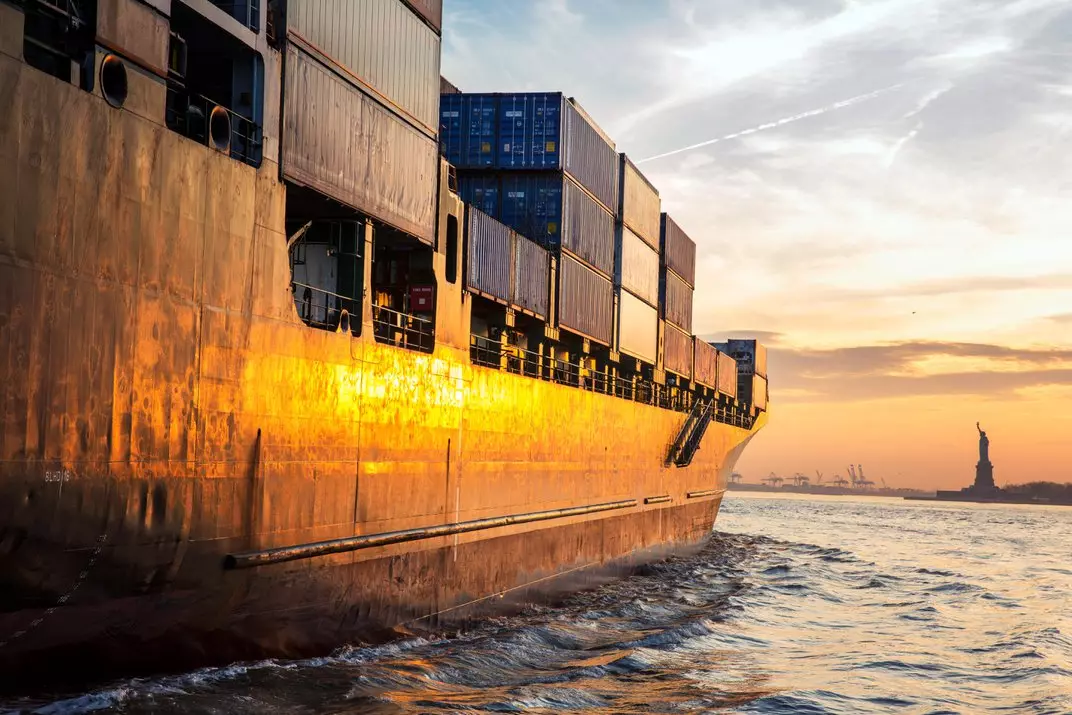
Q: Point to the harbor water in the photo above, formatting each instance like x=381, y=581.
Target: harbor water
x=799, y=604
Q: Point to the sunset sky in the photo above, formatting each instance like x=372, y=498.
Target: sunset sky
x=888, y=204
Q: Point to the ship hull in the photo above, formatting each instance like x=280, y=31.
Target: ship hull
x=165, y=410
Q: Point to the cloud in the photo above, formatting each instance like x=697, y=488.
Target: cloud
x=916, y=369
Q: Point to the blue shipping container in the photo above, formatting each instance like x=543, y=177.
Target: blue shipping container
x=467, y=129
x=529, y=131
x=550, y=208
x=481, y=191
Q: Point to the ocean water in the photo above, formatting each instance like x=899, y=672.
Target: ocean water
x=798, y=605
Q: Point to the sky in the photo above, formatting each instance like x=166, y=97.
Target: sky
x=881, y=190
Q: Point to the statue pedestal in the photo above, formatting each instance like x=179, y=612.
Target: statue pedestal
x=984, y=476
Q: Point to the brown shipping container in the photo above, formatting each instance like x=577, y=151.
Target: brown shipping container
x=704, y=363
x=340, y=142
x=430, y=10
x=532, y=276
x=382, y=44
x=677, y=351
x=490, y=256
x=637, y=266
x=638, y=328
x=753, y=391
x=585, y=301
x=678, y=250
x=677, y=301
x=727, y=375
x=640, y=204
x=447, y=87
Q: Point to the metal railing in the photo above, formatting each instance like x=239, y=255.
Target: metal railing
x=190, y=115
x=319, y=308
x=488, y=352
x=247, y=12
x=403, y=329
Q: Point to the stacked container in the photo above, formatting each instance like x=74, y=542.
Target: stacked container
x=751, y=357
x=636, y=274
x=537, y=163
x=678, y=274
x=338, y=95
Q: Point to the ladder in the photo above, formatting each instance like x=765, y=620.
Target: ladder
x=688, y=439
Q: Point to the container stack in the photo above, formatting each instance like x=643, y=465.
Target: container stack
x=751, y=357
x=538, y=164
x=337, y=94
x=677, y=277
x=636, y=276
x=506, y=267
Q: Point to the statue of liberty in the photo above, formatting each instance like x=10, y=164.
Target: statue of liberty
x=984, y=446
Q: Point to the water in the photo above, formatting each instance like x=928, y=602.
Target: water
x=799, y=605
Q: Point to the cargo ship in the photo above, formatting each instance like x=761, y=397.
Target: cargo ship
x=270, y=385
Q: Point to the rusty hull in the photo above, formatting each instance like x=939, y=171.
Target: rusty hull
x=163, y=406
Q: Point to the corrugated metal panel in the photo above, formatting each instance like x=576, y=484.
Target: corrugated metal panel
x=678, y=250
x=340, y=142
x=640, y=204
x=638, y=328
x=383, y=43
x=585, y=301
x=491, y=256
x=676, y=301
x=532, y=277
x=727, y=375
x=704, y=363
x=677, y=351
x=467, y=129
x=481, y=191
x=751, y=355
x=637, y=267
x=591, y=158
x=530, y=131
x=430, y=10
x=588, y=230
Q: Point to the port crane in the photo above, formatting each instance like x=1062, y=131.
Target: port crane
x=773, y=479
x=800, y=480
x=736, y=478
x=839, y=481
x=852, y=475
x=819, y=476
x=862, y=480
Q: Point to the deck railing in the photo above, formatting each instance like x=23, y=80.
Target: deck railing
x=403, y=330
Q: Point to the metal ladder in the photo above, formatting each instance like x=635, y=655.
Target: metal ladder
x=688, y=439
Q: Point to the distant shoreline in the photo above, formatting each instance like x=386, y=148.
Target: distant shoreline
x=831, y=491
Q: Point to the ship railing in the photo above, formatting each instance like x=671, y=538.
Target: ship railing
x=189, y=114
x=319, y=308
x=403, y=330
x=246, y=12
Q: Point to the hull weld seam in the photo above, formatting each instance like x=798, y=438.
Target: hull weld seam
x=250, y=559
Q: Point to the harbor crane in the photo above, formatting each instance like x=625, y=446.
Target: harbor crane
x=852, y=475
x=736, y=478
x=839, y=481
x=819, y=476
x=800, y=480
x=773, y=479
x=862, y=480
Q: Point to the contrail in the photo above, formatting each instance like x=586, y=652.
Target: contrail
x=900, y=144
x=771, y=125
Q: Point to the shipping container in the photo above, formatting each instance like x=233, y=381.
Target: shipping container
x=585, y=301
x=752, y=390
x=637, y=266
x=381, y=45
x=751, y=356
x=676, y=300
x=704, y=363
x=490, y=255
x=727, y=375
x=481, y=190
x=530, y=131
x=640, y=205
x=447, y=87
x=677, y=351
x=467, y=129
x=340, y=142
x=551, y=209
x=638, y=328
x=532, y=277
x=431, y=11
x=678, y=250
